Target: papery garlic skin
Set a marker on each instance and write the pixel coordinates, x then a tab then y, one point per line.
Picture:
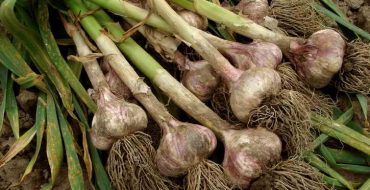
248	153
182	146
201	80
319	58
252	87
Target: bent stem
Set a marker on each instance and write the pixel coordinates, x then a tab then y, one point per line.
161	78
220	64
87	58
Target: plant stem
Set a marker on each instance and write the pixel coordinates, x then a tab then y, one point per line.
120	8
323	127
161	78
341	128
318	163
123	69
220	64
366	185
92	67
235	22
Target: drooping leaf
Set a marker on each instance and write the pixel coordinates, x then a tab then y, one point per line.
12	60
363	102
40	128
11	108
85	145
75	174
3	81
31	40
56	57
101	176
54	144
18	145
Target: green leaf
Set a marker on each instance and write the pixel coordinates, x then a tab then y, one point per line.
18	145
366	185
354	168
85	145
346	117
75	174
101	176
54	144
11	108
13	61
363	102
335	8
327	155
40	127
56	57
31	40
346	157
319	164
355	126
342	21
342	118
3	81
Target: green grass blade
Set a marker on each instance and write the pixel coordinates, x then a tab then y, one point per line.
319	164
355	126
327	155
320	140
18	145
346	117
342	118
3	81
340	20
366	185
13	60
363	102
354	168
85	145
11	108
54	144
75	174
33	43
57	58
346	157
101	176
335	8
40	128
332	182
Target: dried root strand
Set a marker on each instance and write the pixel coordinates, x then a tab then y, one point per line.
354	76
220	104
287	114
297	17
320	103
131	165
291	174
207	175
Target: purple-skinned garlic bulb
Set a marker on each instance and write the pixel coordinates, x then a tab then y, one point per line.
255	54
194	19
117	118
116	85
255	10
319	58
249	153
251	88
201	79
100	141
182	146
